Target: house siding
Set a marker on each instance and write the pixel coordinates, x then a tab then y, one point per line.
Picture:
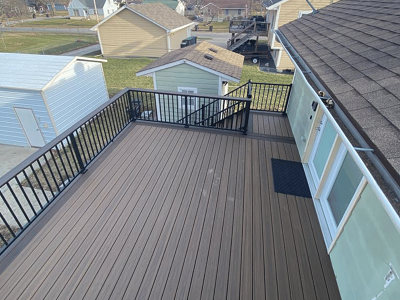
76	92
184	76
367	238
361	256
11	132
128	34
288	12
299	111
177	37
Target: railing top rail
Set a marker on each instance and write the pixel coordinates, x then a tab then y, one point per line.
280	84
58	139
189	94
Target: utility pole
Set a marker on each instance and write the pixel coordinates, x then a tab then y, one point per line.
95	11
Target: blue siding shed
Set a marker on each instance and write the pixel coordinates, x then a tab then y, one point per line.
49	93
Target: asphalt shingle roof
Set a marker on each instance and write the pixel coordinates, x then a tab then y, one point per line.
224	61
170	3
161	14
269	3
353	46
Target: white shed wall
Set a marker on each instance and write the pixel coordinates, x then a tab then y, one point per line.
11	132
76	92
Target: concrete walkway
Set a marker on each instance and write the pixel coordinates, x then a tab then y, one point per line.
83	51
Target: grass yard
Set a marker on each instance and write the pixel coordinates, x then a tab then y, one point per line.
217	26
251	71
41	43
59	23
121	73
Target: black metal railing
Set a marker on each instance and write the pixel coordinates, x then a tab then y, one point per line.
28	189
265	96
190	109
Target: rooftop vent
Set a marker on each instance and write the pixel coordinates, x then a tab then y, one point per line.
208	56
213	50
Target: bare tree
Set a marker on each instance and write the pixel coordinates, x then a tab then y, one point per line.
13	9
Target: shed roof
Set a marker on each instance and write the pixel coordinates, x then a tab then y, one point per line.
170	3
90	3
226	4
270	3
223	61
353	46
157	13
31	71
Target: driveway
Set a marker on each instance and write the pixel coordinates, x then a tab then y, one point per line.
218	39
11	156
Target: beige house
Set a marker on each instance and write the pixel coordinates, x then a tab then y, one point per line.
281	12
142	30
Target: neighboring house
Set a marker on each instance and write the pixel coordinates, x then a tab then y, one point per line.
142	30
224	9
41	95
87	9
351	153
176	5
281	12
202	68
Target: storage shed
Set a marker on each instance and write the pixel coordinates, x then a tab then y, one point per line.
42	95
200	69
142	30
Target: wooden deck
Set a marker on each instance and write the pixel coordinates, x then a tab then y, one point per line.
171	213
271	124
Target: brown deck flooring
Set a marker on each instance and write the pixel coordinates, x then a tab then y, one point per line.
169	213
270	124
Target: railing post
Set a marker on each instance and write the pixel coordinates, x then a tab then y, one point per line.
132	113
186	113
247	116
203	113
287	100
77	153
249	96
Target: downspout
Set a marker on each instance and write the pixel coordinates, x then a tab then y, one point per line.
371	156
314	11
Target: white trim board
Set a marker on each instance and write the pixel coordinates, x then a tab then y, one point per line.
182	61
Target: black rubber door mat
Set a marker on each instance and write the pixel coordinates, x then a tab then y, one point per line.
289	178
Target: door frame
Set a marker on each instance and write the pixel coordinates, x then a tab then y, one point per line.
23	128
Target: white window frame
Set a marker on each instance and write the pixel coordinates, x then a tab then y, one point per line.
181	103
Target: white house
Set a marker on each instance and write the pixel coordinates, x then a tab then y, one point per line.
87	8
43	95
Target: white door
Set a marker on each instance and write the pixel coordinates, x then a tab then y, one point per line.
192	102
30	126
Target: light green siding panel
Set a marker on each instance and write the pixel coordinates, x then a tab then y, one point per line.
299	111
187	76
361	257
184	76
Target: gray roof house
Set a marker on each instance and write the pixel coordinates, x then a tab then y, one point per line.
350	51
87	8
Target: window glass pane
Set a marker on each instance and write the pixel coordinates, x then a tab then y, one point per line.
324	147
346	183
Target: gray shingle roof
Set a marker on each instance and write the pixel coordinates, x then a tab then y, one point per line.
161	14
353	46
224	61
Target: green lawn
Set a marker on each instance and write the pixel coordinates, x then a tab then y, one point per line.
121	73
58	23
43	43
251	71
217	26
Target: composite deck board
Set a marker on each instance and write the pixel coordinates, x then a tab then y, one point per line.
170	213
270	124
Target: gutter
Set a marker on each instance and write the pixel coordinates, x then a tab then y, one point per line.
383	171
